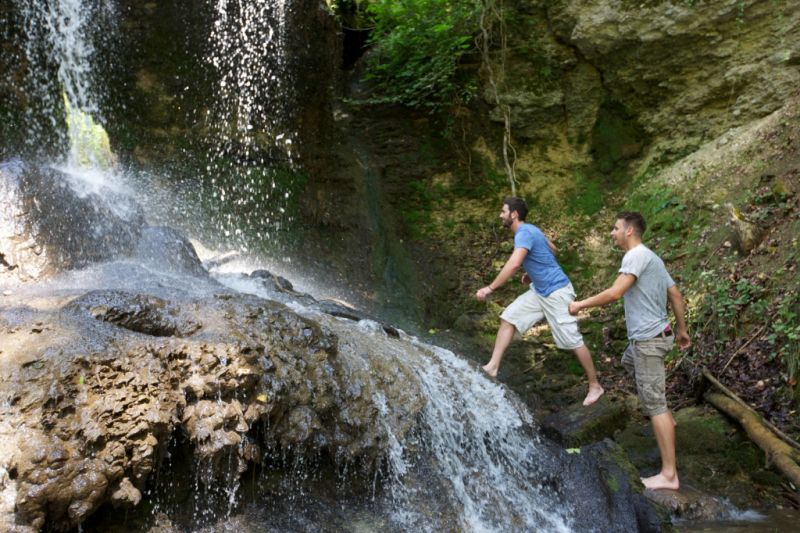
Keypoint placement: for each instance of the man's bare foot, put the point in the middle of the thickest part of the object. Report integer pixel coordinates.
(490, 370)
(660, 481)
(594, 395)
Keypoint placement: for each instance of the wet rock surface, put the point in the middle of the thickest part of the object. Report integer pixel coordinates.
(52, 222)
(165, 249)
(93, 390)
(604, 468)
(689, 504)
(576, 425)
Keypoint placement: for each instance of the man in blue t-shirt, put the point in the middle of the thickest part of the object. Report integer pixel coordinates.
(548, 298)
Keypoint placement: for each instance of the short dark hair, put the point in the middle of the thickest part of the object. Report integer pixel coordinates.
(516, 204)
(635, 219)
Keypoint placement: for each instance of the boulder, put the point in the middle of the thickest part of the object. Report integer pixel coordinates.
(52, 221)
(94, 390)
(690, 504)
(165, 249)
(604, 467)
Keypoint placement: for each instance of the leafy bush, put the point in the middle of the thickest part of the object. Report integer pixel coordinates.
(785, 333)
(418, 45)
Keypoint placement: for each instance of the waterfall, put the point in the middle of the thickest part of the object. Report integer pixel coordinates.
(64, 27)
(482, 444)
(248, 51)
(474, 457)
(252, 160)
(469, 459)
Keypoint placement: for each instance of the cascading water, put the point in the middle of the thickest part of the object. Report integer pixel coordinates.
(60, 34)
(473, 462)
(251, 163)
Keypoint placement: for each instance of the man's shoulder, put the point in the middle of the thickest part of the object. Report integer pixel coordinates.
(639, 252)
(531, 229)
(643, 258)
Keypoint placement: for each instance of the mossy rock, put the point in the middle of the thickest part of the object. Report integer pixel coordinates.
(713, 455)
(622, 482)
(577, 425)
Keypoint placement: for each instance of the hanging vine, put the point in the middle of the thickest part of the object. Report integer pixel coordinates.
(492, 16)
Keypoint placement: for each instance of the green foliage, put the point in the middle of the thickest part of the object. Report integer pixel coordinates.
(785, 333)
(351, 13)
(665, 213)
(418, 45)
(588, 198)
(616, 138)
(416, 211)
(726, 302)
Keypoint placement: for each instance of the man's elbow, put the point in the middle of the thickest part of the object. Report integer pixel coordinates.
(674, 295)
(615, 293)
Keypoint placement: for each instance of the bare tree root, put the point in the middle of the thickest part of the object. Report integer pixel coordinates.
(490, 13)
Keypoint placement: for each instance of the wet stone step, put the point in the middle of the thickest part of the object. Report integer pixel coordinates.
(576, 425)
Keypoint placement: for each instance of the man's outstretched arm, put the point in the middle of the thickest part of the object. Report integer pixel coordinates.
(678, 307)
(611, 294)
(511, 266)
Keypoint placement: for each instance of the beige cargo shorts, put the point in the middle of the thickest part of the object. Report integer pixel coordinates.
(645, 361)
(530, 307)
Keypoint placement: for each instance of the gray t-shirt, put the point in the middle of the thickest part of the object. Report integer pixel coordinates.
(646, 300)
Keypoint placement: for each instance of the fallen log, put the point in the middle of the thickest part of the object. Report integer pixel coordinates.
(778, 452)
(732, 395)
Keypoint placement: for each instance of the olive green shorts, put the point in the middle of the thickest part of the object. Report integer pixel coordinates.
(645, 360)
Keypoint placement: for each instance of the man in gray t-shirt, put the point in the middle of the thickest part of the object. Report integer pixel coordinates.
(646, 299)
(647, 286)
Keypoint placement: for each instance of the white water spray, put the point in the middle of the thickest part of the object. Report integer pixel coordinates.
(249, 118)
(65, 26)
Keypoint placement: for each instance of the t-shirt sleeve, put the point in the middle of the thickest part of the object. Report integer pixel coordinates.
(634, 263)
(524, 239)
(670, 281)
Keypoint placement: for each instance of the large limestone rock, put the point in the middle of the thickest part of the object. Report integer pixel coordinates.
(93, 390)
(576, 425)
(687, 69)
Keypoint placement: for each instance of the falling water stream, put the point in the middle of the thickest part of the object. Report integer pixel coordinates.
(252, 151)
(474, 461)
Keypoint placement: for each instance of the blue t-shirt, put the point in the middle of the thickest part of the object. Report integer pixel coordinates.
(540, 263)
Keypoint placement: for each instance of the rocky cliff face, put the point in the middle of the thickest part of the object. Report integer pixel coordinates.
(617, 85)
(161, 86)
(601, 94)
(687, 71)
